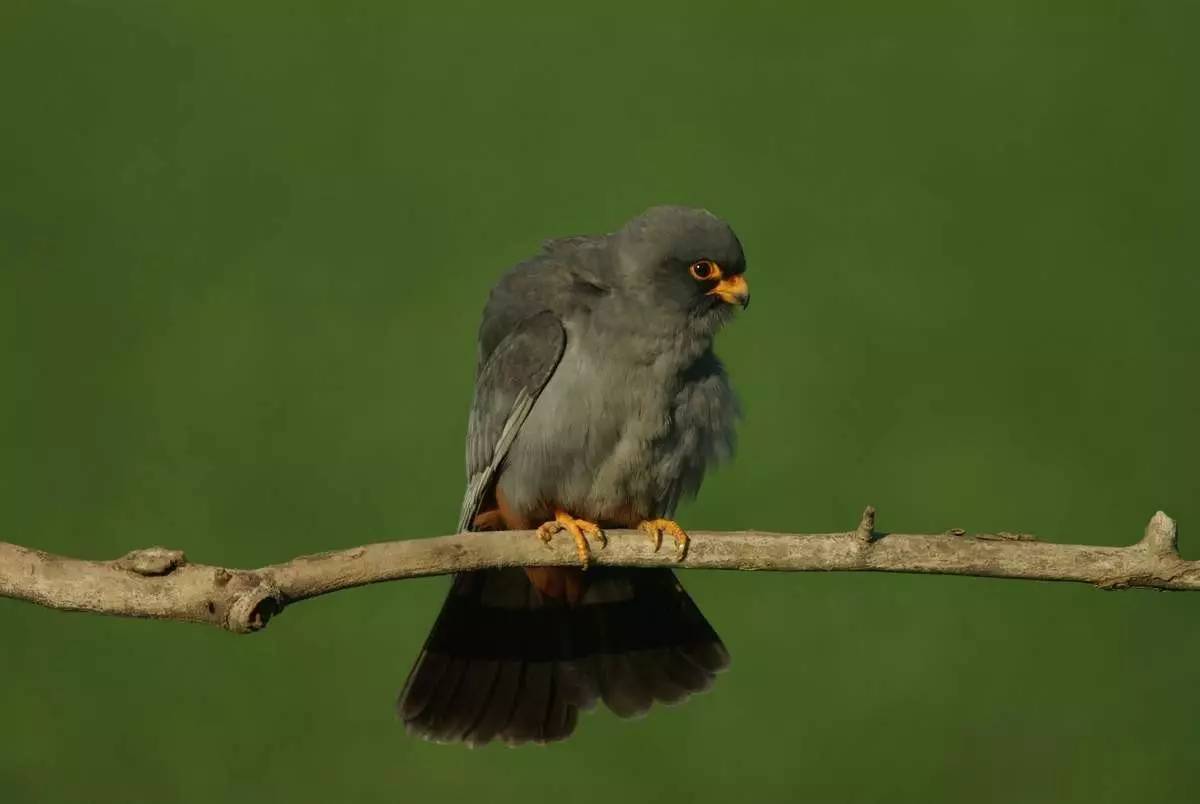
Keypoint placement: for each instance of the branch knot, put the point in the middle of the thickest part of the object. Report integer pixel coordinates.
(255, 605)
(152, 561)
(1162, 536)
(865, 532)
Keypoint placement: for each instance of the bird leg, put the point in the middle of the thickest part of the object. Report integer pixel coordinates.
(581, 529)
(655, 528)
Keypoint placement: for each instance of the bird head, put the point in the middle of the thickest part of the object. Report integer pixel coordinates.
(683, 262)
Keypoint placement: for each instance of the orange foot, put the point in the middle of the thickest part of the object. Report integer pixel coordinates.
(655, 528)
(579, 528)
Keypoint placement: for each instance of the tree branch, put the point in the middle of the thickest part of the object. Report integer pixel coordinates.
(162, 584)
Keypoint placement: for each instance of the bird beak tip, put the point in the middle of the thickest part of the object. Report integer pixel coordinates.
(734, 290)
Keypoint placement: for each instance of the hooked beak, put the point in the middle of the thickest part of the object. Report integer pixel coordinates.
(733, 290)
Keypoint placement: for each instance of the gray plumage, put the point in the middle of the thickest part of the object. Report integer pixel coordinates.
(638, 405)
(597, 392)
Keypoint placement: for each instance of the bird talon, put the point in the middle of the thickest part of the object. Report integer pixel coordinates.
(655, 528)
(592, 531)
(654, 533)
(546, 532)
(580, 529)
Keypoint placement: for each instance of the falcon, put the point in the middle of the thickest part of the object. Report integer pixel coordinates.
(598, 404)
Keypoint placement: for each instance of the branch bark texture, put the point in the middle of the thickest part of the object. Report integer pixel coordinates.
(159, 583)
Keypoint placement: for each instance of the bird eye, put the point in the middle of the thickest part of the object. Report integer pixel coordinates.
(703, 269)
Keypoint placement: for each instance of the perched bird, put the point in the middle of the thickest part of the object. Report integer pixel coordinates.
(598, 403)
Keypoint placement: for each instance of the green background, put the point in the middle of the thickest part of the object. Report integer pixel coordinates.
(243, 251)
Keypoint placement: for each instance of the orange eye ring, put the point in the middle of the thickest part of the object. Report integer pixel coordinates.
(704, 270)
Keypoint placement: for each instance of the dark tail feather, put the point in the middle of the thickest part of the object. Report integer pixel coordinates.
(505, 661)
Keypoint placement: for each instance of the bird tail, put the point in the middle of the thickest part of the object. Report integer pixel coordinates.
(505, 660)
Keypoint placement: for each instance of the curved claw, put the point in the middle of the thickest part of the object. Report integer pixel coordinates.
(655, 528)
(581, 529)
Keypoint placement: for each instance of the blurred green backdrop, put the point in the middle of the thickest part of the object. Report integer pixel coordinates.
(243, 248)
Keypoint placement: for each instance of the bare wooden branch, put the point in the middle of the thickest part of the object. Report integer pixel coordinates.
(162, 584)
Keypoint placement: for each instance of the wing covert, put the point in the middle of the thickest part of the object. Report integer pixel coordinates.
(508, 384)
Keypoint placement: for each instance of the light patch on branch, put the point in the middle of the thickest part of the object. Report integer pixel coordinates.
(162, 584)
